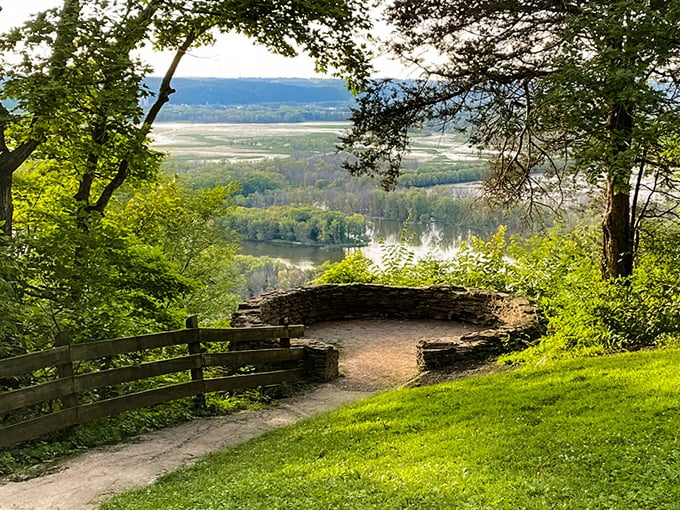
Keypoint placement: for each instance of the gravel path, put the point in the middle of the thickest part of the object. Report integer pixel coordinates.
(374, 355)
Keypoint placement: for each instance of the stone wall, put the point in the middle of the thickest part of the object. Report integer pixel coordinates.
(320, 360)
(509, 319)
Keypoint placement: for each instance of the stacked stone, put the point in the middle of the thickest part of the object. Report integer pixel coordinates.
(511, 320)
(320, 360)
(438, 353)
(355, 301)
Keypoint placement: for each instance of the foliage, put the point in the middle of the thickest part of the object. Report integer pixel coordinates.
(477, 264)
(184, 226)
(298, 224)
(354, 268)
(550, 89)
(90, 283)
(10, 315)
(560, 270)
(568, 436)
(482, 263)
(591, 316)
(154, 259)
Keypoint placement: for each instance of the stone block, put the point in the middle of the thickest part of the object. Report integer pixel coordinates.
(320, 360)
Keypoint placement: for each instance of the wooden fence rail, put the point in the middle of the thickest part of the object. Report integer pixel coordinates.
(69, 386)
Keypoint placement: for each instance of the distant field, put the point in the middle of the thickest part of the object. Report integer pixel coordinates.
(245, 142)
(255, 142)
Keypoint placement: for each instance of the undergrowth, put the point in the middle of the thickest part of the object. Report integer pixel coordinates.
(561, 271)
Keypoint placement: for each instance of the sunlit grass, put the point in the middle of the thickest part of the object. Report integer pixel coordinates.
(586, 434)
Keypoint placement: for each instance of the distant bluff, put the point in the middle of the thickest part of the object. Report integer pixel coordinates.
(251, 91)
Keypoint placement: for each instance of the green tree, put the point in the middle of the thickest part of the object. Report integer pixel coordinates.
(154, 258)
(550, 88)
(182, 225)
(72, 82)
(124, 286)
(299, 224)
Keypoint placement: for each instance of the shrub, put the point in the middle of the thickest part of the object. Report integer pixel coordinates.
(561, 270)
(354, 268)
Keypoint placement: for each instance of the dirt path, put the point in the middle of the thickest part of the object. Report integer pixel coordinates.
(374, 355)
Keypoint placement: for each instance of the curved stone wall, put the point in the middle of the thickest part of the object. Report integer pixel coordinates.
(508, 318)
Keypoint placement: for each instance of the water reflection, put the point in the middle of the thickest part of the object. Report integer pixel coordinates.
(423, 239)
(304, 257)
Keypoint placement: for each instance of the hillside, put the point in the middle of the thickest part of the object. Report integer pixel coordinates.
(251, 91)
(592, 433)
(254, 100)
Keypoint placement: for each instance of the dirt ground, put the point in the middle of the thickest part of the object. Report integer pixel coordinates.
(375, 355)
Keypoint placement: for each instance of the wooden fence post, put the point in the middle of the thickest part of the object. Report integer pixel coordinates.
(65, 371)
(284, 342)
(194, 346)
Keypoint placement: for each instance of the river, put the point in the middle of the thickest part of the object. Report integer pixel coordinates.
(422, 240)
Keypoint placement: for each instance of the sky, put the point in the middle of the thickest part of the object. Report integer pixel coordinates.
(233, 56)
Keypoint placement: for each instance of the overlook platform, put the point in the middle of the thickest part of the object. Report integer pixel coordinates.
(498, 321)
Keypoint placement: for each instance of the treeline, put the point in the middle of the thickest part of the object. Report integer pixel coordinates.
(301, 224)
(427, 175)
(322, 181)
(321, 169)
(442, 204)
(415, 204)
(261, 114)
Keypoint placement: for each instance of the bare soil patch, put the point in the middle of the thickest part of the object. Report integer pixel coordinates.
(374, 355)
(378, 354)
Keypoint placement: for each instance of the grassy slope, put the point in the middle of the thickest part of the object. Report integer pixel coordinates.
(597, 433)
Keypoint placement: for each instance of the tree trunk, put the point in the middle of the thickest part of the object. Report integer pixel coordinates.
(6, 204)
(617, 235)
(617, 239)
(10, 161)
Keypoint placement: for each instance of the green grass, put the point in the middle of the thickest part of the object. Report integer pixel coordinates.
(586, 434)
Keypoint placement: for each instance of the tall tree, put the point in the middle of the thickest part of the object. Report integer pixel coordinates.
(72, 83)
(549, 88)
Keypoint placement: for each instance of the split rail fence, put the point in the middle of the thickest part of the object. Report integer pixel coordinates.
(63, 395)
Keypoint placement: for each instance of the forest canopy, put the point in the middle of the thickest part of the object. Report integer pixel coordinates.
(579, 88)
(95, 241)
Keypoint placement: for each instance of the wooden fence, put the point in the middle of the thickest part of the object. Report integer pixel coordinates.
(66, 389)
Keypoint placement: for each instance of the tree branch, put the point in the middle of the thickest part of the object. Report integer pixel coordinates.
(162, 98)
(165, 89)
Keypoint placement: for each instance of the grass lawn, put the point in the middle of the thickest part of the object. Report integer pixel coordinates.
(598, 433)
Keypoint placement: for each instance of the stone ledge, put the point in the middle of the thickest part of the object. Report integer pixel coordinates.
(438, 353)
(511, 320)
